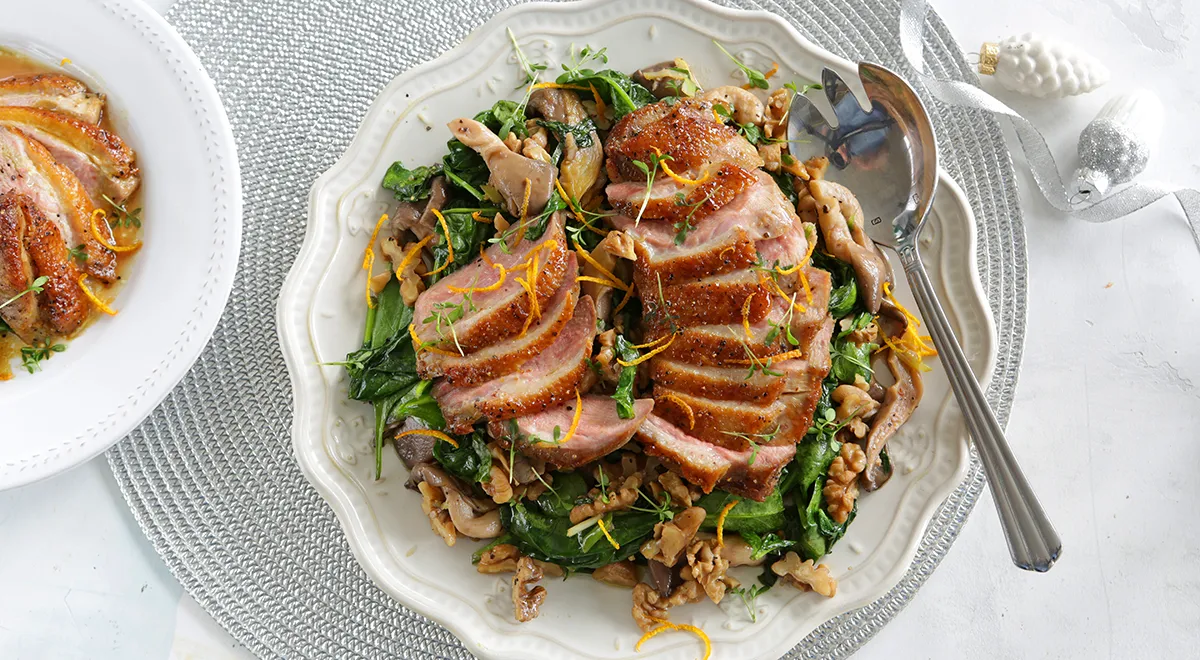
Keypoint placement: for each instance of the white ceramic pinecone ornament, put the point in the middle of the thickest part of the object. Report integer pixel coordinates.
(1045, 68)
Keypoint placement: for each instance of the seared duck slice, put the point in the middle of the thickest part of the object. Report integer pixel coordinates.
(687, 130)
(709, 250)
(752, 473)
(486, 317)
(101, 161)
(718, 299)
(546, 381)
(54, 92)
(509, 170)
(28, 168)
(783, 251)
(16, 270)
(730, 424)
(62, 305)
(507, 355)
(716, 382)
(671, 200)
(600, 432)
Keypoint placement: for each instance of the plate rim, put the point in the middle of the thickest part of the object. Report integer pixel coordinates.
(164, 377)
(338, 495)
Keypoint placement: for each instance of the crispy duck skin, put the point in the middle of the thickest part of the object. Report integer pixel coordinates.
(729, 424)
(507, 355)
(62, 305)
(103, 163)
(716, 300)
(546, 381)
(26, 167)
(703, 253)
(600, 432)
(16, 270)
(687, 130)
(54, 92)
(491, 316)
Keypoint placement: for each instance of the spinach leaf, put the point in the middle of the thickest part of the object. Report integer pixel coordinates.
(787, 185)
(747, 516)
(568, 489)
(410, 185)
(618, 90)
(803, 530)
(582, 131)
(471, 461)
(386, 364)
(544, 537)
(624, 394)
(504, 117)
(415, 401)
(465, 169)
(813, 456)
(844, 295)
(850, 359)
(537, 225)
(767, 544)
(466, 235)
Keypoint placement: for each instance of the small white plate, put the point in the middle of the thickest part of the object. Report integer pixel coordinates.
(321, 318)
(109, 379)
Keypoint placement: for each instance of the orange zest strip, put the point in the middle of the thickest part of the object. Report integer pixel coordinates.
(604, 530)
(431, 433)
(422, 346)
(600, 106)
(100, 304)
(524, 213)
(583, 254)
(682, 406)
(746, 316)
(575, 420)
(789, 270)
(721, 523)
(99, 214)
(479, 218)
(535, 307)
(449, 244)
(649, 355)
(807, 288)
(653, 343)
(491, 287)
(621, 305)
(600, 281)
(795, 305)
(687, 182)
(567, 198)
(486, 259)
(412, 253)
(778, 357)
(683, 627)
(767, 75)
(554, 85)
(369, 255)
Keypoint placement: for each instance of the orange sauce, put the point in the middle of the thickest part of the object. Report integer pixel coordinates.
(12, 64)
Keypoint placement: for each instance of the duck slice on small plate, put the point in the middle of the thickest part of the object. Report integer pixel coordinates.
(600, 431)
(54, 92)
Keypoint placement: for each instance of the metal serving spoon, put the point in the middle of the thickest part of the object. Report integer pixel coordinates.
(888, 158)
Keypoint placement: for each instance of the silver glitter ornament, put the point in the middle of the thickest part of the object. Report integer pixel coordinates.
(1115, 147)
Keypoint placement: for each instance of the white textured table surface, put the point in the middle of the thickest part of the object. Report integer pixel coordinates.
(1106, 423)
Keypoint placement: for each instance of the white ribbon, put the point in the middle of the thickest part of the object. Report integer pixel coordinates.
(1041, 162)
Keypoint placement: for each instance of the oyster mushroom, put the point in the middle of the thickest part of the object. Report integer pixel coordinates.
(580, 171)
(899, 401)
(509, 169)
(472, 517)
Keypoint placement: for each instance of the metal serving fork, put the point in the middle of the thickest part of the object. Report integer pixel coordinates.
(888, 157)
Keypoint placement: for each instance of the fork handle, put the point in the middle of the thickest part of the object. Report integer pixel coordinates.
(1032, 541)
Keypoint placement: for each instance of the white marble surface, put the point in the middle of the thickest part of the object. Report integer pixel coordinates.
(1106, 424)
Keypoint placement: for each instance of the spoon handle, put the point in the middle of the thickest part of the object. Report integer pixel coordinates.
(1032, 541)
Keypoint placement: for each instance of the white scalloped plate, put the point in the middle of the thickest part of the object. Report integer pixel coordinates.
(321, 317)
(115, 374)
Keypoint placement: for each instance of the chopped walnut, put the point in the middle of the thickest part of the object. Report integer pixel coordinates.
(682, 493)
(513, 142)
(775, 113)
(527, 601)
(533, 150)
(432, 503)
(867, 335)
(618, 574)
(816, 166)
(671, 538)
(650, 609)
(804, 576)
(618, 244)
(606, 358)
(858, 428)
(501, 224)
(772, 155)
(411, 284)
(601, 503)
(537, 134)
(841, 487)
(498, 486)
(707, 566)
(499, 559)
(853, 402)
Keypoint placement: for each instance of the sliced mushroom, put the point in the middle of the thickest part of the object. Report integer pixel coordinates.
(745, 107)
(509, 170)
(472, 517)
(663, 79)
(418, 217)
(662, 577)
(841, 219)
(415, 448)
(899, 401)
(582, 166)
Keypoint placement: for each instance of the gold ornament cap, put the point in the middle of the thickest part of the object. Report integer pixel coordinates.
(989, 56)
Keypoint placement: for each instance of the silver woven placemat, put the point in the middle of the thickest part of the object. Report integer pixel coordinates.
(210, 475)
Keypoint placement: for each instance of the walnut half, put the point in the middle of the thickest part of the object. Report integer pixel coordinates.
(618, 574)
(650, 609)
(527, 601)
(841, 487)
(804, 576)
(708, 567)
(671, 538)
